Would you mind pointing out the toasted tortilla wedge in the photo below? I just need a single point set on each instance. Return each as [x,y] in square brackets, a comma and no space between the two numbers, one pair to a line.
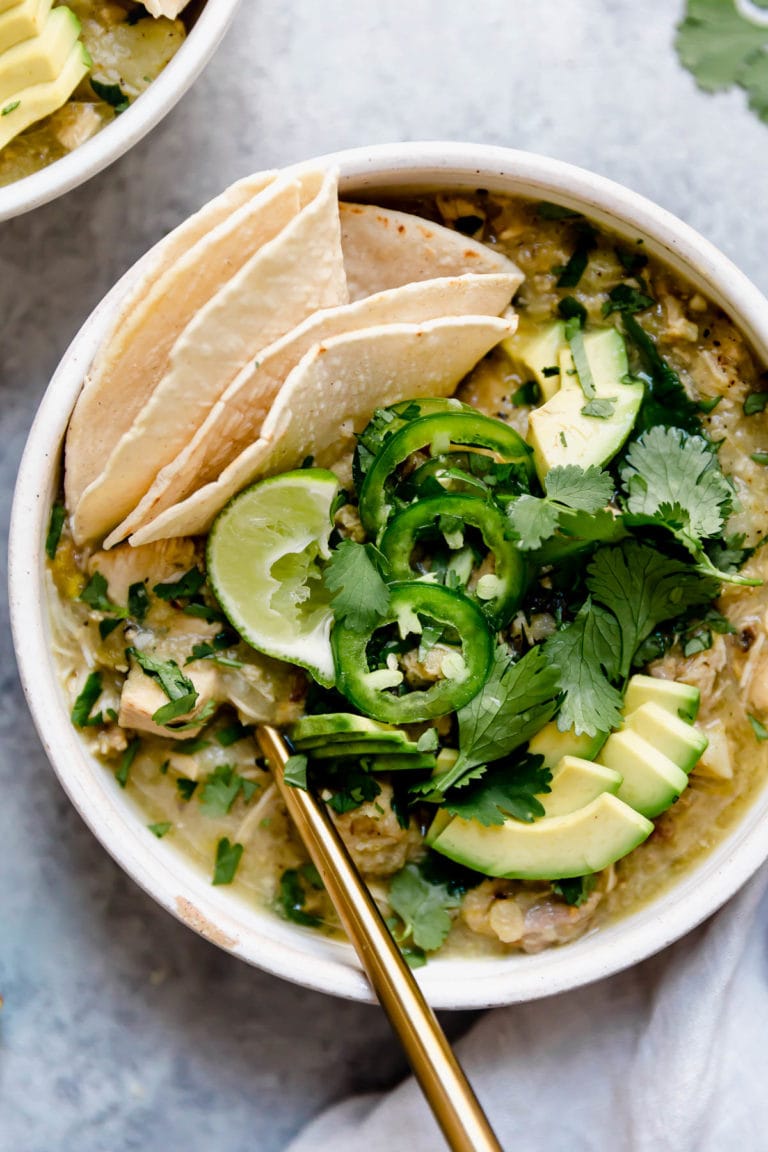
[330,395]
[384,249]
[133,358]
[236,420]
[285,281]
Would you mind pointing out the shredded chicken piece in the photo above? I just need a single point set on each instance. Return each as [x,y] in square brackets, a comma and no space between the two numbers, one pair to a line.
[372,833]
[529,916]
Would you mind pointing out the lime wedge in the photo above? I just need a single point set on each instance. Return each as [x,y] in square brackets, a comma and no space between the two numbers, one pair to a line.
[263,565]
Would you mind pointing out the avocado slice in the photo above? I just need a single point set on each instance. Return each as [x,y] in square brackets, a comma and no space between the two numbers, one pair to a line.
[681,742]
[331,726]
[30,104]
[40,59]
[679,699]
[651,781]
[22,21]
[343,749]
[576,783]
[553,744]
[560,433]
[559,847]
[534,347]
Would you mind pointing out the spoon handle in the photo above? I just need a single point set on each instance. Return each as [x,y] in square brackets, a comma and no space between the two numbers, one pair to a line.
[442,1080]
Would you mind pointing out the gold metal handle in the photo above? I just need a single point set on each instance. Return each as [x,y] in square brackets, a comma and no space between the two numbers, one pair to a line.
[437,1070]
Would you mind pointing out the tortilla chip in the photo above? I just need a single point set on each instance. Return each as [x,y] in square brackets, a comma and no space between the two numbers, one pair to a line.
[134,357]
[288,279]
[331,394]
[236,420]
[384,249]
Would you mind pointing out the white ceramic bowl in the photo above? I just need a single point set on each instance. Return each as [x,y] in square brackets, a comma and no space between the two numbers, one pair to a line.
[221,915]
[127,129]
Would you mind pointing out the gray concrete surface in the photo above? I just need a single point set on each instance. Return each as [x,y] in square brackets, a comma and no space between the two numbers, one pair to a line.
[121,1029]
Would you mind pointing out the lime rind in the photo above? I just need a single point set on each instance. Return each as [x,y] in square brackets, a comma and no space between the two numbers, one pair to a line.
[264,553]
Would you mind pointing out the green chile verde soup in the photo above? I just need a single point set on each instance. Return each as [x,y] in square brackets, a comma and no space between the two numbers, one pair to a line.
[653,551]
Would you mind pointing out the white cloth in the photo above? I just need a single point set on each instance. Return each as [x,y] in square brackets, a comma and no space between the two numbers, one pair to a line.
[670,1056]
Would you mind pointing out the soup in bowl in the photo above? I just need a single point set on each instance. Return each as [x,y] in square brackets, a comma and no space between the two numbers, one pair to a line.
[448,462]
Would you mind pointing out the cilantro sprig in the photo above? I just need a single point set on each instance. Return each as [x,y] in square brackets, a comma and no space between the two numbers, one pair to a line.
[536,518]
[423,906]
[721,46]
[509,789]
[179,689]
[517,699]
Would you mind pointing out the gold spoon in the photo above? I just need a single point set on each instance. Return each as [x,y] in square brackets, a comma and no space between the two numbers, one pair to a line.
[446,1088]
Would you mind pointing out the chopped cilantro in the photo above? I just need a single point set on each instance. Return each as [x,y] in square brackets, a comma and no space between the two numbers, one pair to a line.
[547,211]
[126,760]
[10,108]
[666,401]
[423,907]
[186,787]
[295,772]
[581,361]
[292,898]
[233,733]
[138,601]
[219,791]
[95,596]
[576,890]
[189,747]
[625,298]
[759,457]
[709,404]
[111,94]
[573,271]
[161,829]
[528,393]
[600,409]
[83,705]
[204,612]
[631,260]
[571,309]
[353,787]
[55,526]
[759,729]
[354,578]
[227,859]
[186,586]
[107,627]
[755,402]
[509,789]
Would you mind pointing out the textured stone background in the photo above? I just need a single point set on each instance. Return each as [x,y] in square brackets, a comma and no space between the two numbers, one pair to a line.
[121,1029]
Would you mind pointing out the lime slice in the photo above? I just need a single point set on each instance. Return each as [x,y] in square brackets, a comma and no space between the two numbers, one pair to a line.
[263,564]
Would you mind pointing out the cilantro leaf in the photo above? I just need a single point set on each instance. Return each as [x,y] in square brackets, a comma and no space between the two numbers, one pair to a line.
[666,401]
[292,898]
[187,585]
[600,409]
[138,601]
[517,699]
[95,596]
[160,829]
[353,576]
[55,526]
[509,789]
[573,271]
[112,94]
[642,588]
[126,760]
[295,772]
[352,788]
[576,890]
[585,654]
[186,787]
[220,790]
[759,729]
[233,733]
[665,468]
[625,298]
[179,689]
[721,46]
[227,860]
[423,907]
[583,489]
[83,705]
[536,518]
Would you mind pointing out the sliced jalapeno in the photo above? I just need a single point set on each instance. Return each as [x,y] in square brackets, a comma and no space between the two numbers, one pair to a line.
[498,593]
[439,432]
[386,421]
[474,473]
[381,692]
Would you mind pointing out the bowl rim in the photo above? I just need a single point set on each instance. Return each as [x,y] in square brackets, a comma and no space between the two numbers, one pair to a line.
[121,134]
[257,935]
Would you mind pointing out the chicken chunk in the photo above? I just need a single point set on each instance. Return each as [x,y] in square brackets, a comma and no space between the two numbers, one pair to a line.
[157,563]
[374,837]
[141,697]
[529,916]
